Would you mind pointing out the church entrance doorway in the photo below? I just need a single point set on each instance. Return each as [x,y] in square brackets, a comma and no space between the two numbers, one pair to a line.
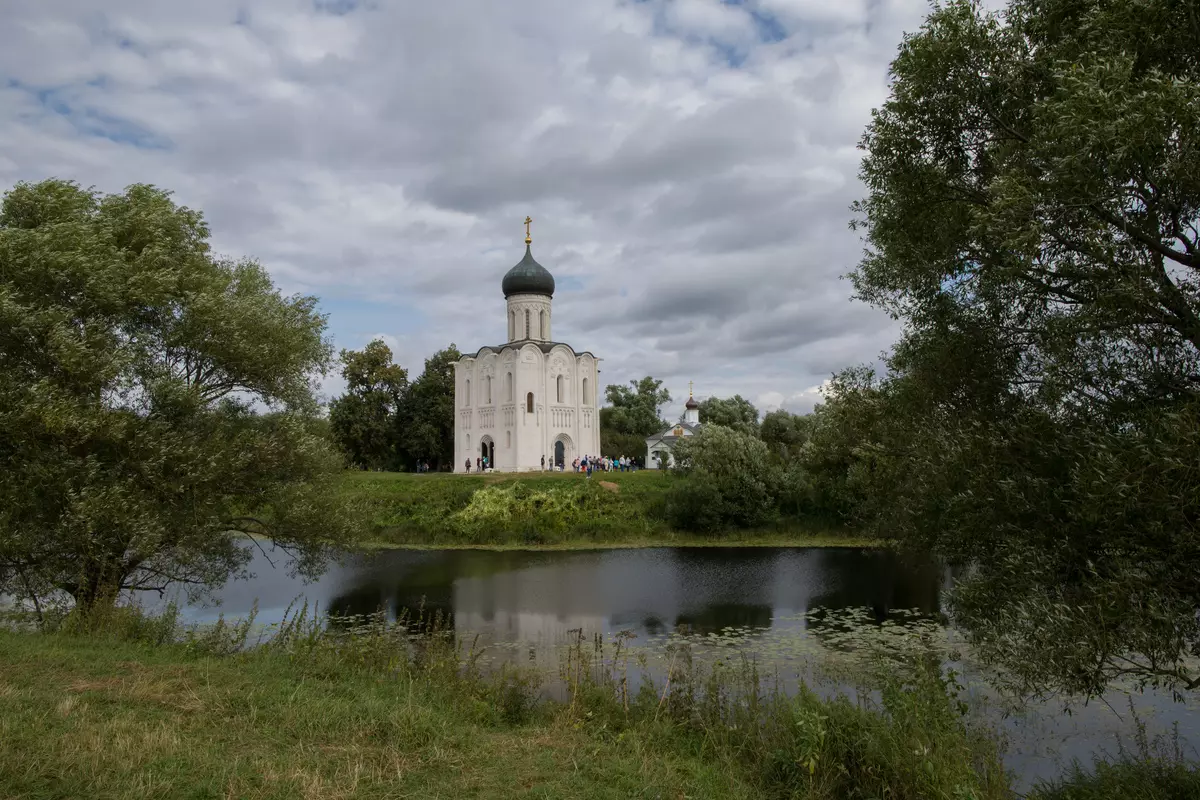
[564,451]
[487,449]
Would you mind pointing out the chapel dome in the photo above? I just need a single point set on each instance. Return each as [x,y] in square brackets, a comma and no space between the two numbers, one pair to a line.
[528,277]
[691,403]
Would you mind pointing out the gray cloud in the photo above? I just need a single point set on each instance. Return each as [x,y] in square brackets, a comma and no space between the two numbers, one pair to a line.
[689,183]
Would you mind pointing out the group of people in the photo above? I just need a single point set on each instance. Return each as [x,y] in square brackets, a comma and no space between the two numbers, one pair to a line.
[603,464]
[585,464]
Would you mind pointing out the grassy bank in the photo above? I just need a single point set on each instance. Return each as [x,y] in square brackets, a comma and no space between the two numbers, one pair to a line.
[547,510]
[142,709]
[316,716]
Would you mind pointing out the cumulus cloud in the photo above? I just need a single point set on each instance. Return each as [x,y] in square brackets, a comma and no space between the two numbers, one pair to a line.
[689,163]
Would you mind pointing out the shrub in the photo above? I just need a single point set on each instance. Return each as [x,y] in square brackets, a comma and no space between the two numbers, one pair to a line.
[730,482]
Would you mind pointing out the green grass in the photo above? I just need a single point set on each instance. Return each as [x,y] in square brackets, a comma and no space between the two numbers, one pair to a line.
[99,719]
[551,510]
[323,715]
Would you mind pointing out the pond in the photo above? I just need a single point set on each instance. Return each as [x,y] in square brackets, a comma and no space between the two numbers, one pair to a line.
[525,604]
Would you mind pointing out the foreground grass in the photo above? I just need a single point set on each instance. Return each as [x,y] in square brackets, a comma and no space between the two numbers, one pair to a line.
[322,714]
[95,718]
[548,510]
[146,710]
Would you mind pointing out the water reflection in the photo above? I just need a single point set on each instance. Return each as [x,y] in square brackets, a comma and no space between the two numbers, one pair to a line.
[539,596]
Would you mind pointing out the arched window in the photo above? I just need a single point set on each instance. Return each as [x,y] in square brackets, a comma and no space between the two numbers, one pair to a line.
[528,330]
[587,398]
[512,325]
[508,387]
[559,382]
[529,403]
[542,315]
[508,438]
[467,393]
[488,385]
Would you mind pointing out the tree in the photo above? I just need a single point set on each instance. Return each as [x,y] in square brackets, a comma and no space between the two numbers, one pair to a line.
[729,482]
[636,409]
[362,420]
[1033,214]
[426,420]
[615,444]
[784,433]
[131,364]
[735,412]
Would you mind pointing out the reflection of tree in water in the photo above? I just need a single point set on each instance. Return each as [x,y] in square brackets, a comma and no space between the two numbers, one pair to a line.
[882,582]
[716,616]
[419,608]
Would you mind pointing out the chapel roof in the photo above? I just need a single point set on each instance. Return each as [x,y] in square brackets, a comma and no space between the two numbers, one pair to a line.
[528,277]
[669,433]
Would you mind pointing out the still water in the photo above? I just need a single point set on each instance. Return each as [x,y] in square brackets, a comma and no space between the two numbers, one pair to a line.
[527,603]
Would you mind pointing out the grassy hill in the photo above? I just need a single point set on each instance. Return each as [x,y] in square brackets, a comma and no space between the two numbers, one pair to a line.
[544,509]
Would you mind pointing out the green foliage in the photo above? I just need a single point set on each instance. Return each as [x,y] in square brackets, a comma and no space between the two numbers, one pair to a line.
[615,445]
[426,419]
[785,433]
[635,409]
[734,412]
[1155,770]
[1032,216]
[362,421]
[131,364]
[526,509]
[728,482]
[383,421]
[542,513]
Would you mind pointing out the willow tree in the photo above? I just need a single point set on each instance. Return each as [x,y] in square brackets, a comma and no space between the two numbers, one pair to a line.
[1033,215]
[134,367]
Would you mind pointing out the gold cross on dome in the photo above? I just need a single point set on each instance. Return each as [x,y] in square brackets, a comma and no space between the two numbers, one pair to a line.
[528,239]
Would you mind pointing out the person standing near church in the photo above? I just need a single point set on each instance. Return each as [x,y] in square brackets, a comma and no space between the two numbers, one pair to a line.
[543,463]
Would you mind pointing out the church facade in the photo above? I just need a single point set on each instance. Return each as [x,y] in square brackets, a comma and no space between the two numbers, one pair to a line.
[530,403]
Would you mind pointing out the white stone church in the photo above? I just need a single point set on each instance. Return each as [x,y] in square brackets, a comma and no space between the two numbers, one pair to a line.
[529,403]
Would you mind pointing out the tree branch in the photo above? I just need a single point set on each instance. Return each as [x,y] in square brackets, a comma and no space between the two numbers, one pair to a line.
[1143,238]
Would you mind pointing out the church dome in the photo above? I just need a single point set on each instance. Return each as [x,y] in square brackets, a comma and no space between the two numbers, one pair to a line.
[691,403]
[528,277]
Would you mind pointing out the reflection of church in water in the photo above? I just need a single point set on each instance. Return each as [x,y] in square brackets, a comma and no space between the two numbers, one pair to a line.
[530,401]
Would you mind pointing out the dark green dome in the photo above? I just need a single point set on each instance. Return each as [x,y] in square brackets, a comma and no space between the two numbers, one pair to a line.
[528,277]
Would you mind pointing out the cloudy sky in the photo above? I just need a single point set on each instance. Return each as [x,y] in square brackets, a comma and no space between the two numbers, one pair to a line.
[688,163]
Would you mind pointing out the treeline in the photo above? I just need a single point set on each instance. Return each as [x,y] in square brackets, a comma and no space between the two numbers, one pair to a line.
[385,422]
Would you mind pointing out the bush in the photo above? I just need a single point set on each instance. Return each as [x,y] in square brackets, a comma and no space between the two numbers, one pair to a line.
[730,482]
